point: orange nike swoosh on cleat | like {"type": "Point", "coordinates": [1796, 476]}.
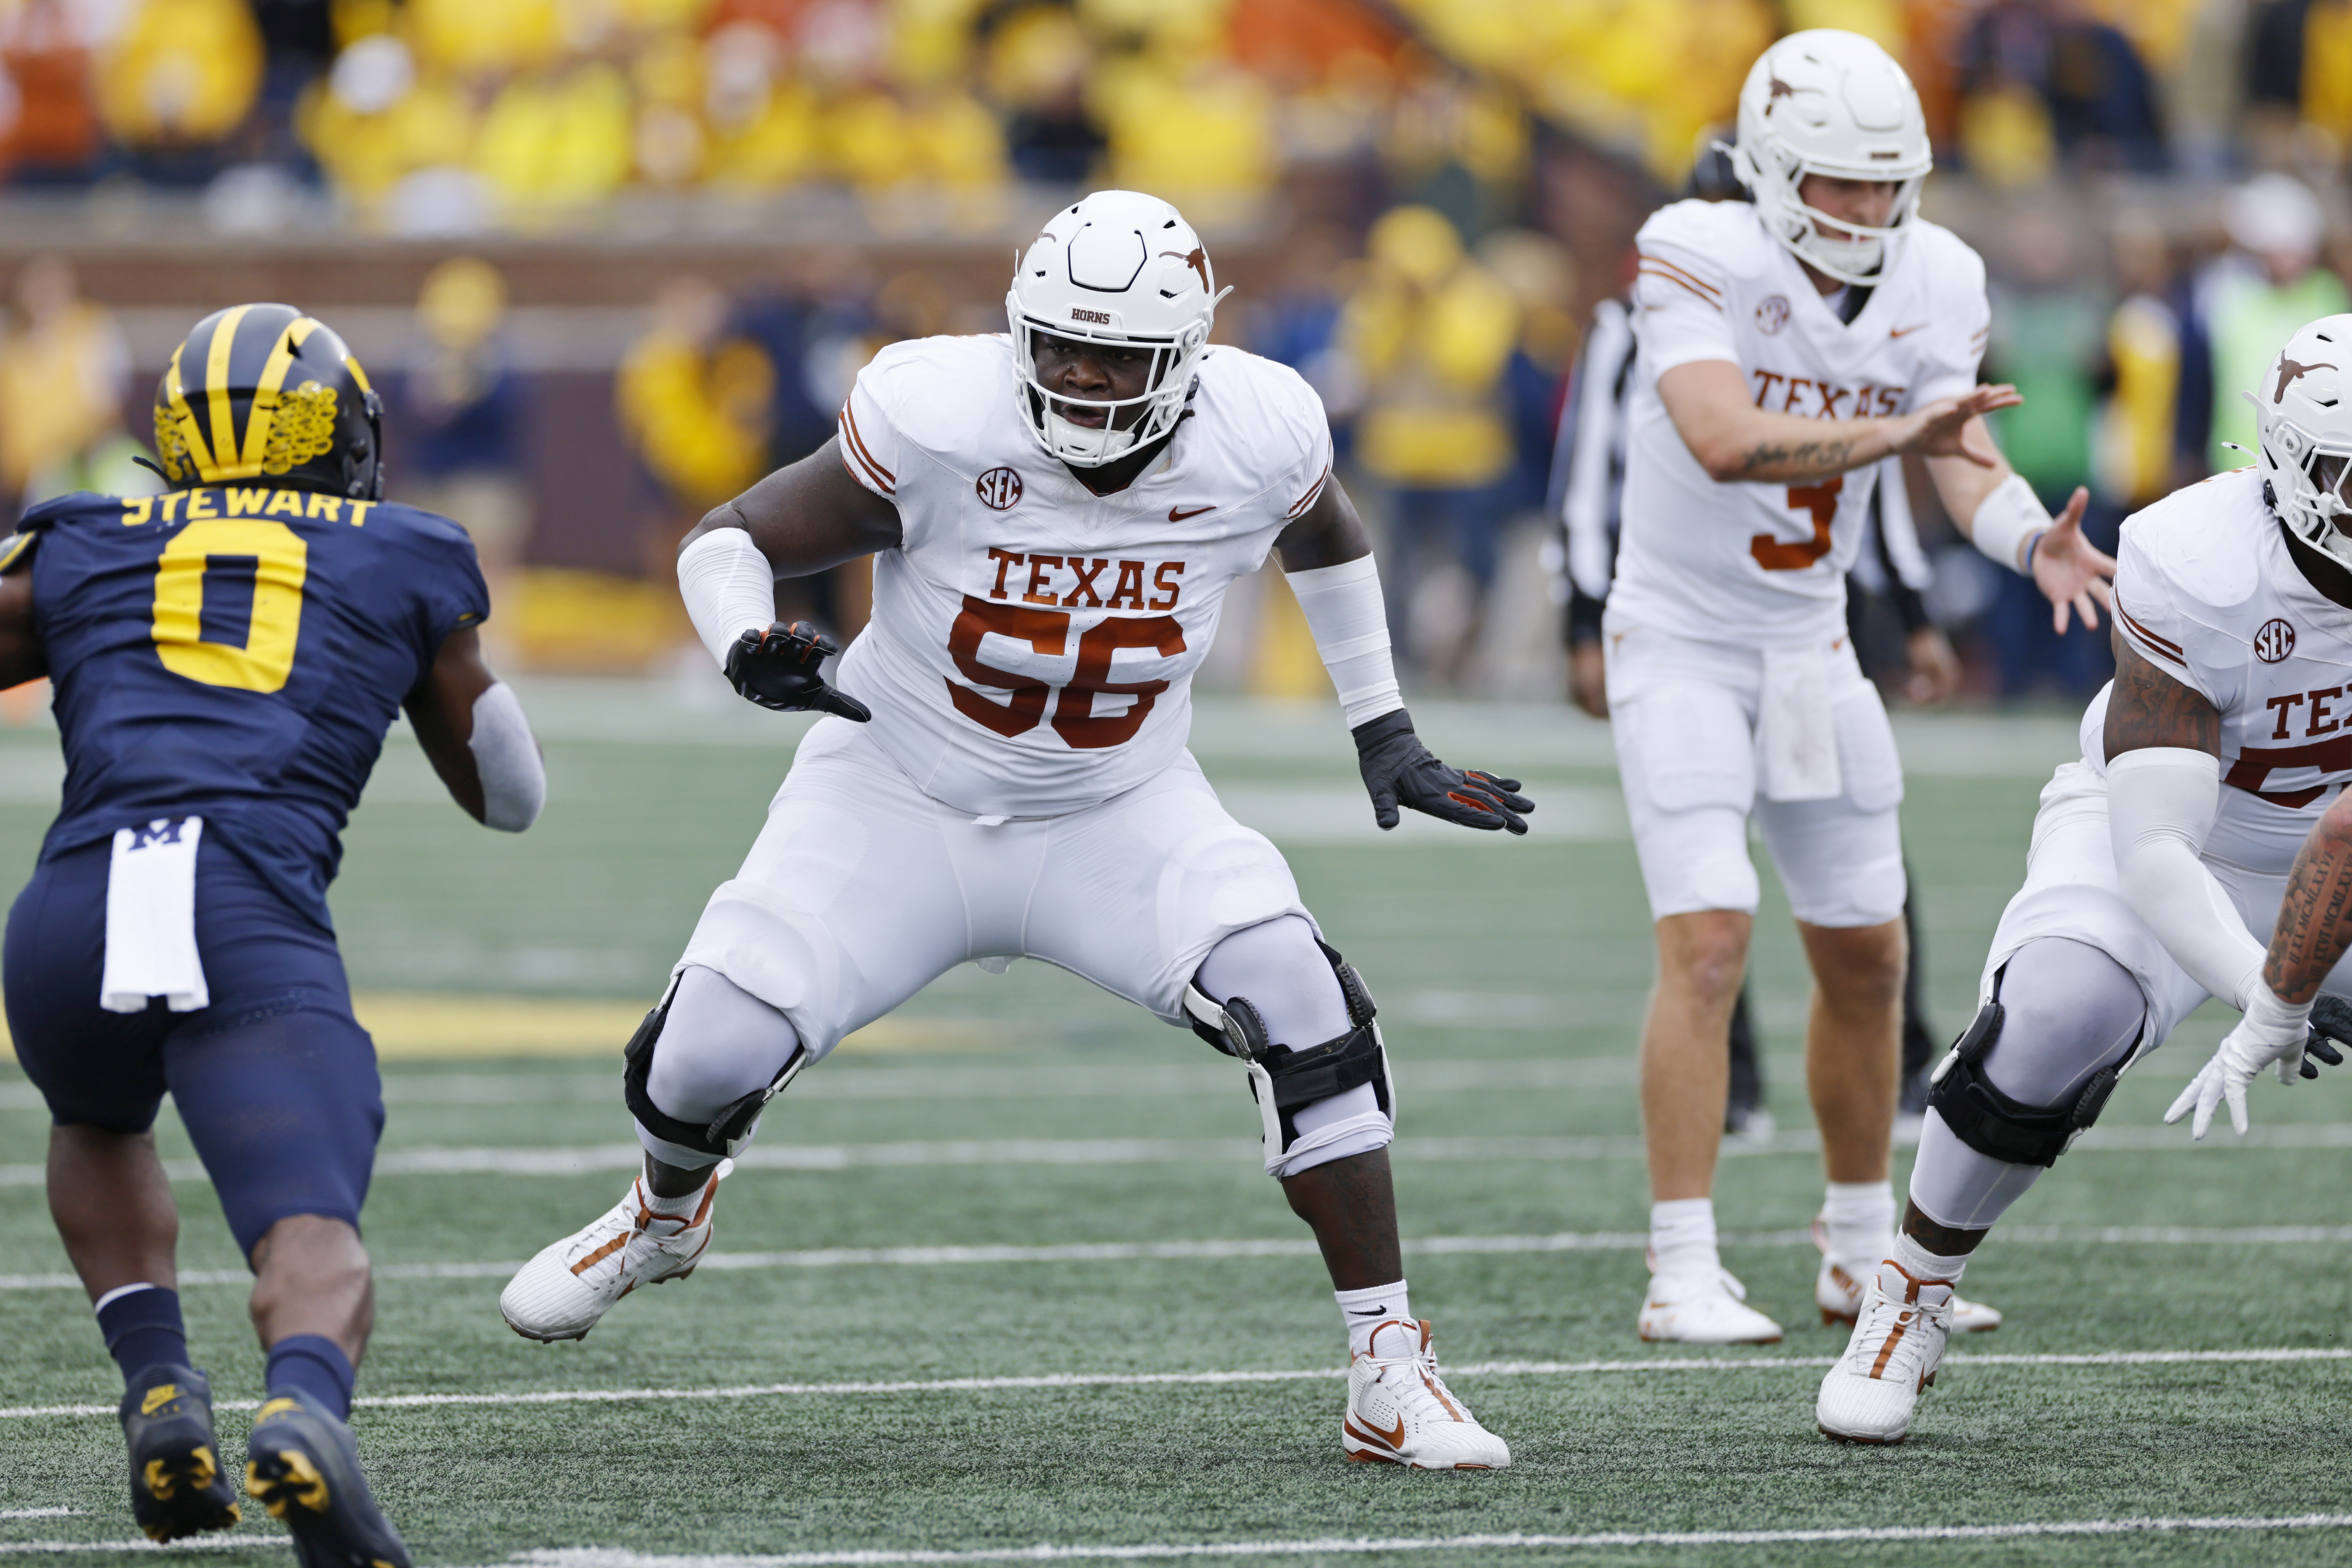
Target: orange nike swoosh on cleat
{"type": "Point", "coordinates": [1367, 1430]}
{"type": "Point", "coordinates": [1905, 331]}
{"type": "Point", "coordinates": [1176, 516]}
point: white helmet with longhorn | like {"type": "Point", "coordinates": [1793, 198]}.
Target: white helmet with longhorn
{"type": "Point", "coordinates": [2304, 412]}
{"type": "Point", "coordinates": [1829, 102]}
{"type": "Point", "coordinates": [1119, 268]}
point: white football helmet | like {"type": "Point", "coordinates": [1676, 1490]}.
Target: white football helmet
{"type": "Point", "coordinates": [1831, 102]}
{"type": "Point", "coordinates": [1119, 268]}
{"type": "Point", "coordinates": [2304, 410]}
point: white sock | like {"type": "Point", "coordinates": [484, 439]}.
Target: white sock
{"type": "Point", "coordinates": [672, 1208]}
{"type": "Point", "coordinates": [1364, 1310]}
{"type": "Point", "coordinates": [1921, 1264]}
{"type": "Point", "coordinates": [1681, 1239]}
{"type": "Point", "coordinates": [1860, 1219]}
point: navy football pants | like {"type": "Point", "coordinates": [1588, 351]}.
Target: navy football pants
{"type": "Point", "coordinates": [276, 1080]}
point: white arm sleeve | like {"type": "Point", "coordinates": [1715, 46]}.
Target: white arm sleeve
{"type": "Point", "coordinates": [507, 760]}
{"type": "Point", "coordinates": [1351, 632]}
{"type": "Point", "coordinates": [728, 585]}
{"type": "Point", "coordinates": [2161, 805]}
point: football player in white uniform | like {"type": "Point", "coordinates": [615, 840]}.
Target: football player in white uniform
{"type": "Point", "coordinates": [1786, 348]}
{"type": "Point", "coordinates": [2158, 864]}
{"type": "Point", "coordinates": [1055, 516]}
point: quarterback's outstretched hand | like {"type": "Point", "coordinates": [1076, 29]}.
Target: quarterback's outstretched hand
{"type": "Point", "coordinates": [2269, 1035]}
{"type": "Point", "coordinates": [2070, 570]}
{"type": "Point", "coordinates": [1400, 770]}
{"type": "Point", "coordinates": [777, 669]}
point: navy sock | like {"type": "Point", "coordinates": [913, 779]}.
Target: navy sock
{"type": "Point", "coordinates": [315, 1365]}
{"type": "Point", "coordinates": [142, 1328]}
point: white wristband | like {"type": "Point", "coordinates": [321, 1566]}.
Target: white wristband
{"type": "Point", "coordinates": [728, 586]}
{"type": "Point", "coordinates": [2008, 522]}
{"type": "Point", "coordinates": [2272, 1018]}
{"type": "Point", "coordinates": [507, 761]}
{"type": "Point", "coordinates": [1350, 625]}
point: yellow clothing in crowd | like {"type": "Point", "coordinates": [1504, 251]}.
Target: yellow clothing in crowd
{"type": "Point", "coordinates": [180, 72]}
{"type": "Point", "coordinates": [1432, 332]}
{"type": "Point", "coordinates": [57, 386]}
{"type": "Point", "coordinates": [697, 417]}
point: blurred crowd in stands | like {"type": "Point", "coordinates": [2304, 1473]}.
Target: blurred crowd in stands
{"type": "Point", "coordinates": [1435, 195]}
{"type": "Point", "coordinates": [439, 114]}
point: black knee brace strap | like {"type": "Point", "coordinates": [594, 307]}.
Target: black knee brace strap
{"type": "Point", "coordinates": [724, 1133]}
{"type": "Point", "coordinates": [1298, 1077]}
{"type": "Point", "coordinates": [1993, 1124]}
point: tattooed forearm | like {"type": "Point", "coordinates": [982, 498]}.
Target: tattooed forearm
{"type": "Point", "coordinates": [2314, 924]}
{"type": "Point", "coordinates": [2150, 708]}
{"type": "Point", "coordinates": [1776, 460]}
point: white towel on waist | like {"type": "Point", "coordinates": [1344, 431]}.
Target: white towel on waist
{"type": "Point", "coordinates": [1795, 725]}
{"type": "Point", "coordinates": [150, 919]}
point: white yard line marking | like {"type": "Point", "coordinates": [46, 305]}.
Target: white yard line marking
{"type": "Point", "coordinates": [584, 1160]}
{"type": "Point", "coordinates": [197, 1544]}
{"type": "Point", "coordinates": [1289, 1247]}
{"type": "Point", "coordinates": [1161, 1379]}
{"type": "Point", "coordinates": [614, 1557]}
{"type": "Point", "coordinates": [38, 1513]}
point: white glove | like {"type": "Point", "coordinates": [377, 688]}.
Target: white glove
{"type": "Point", "coordinates": [2271, 1033]}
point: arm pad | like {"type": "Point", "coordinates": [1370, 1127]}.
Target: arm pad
{"type": "Point", "coordinates": [1351, 632]}
{"type": "Point", "coordinates": [728, 588]}
{"type": "Point", "coordinates": [2161, 805]}
{"type": "Point", "coordinates": [507, 760]}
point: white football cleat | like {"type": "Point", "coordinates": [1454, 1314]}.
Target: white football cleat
{"type": "Point", "coordinates": [1897, 1343]}
{"type": "Point", "coordinates": [1697, 1309]}
{"type": "Point", "coordinates": [1400, 1411]}
{"type": "Point", "coordinates": [1838, 1293]}
{"type": "Point", "coordinates": [560, 1293]}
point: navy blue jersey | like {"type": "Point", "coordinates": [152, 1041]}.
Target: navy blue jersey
{"type": "Point", "coordinates": [237, 652]}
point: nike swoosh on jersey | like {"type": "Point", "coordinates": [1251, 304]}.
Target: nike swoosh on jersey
{"type": "Point", "coordinates": [1906, 332]}
{"type": "Point", "coordinates": [1176, 516]}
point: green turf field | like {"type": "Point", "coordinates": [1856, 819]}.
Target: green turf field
{"type": "Point", "coordinates": [1035, 1197]}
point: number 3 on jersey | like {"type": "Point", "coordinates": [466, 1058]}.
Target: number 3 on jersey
{"type": "Point", "coordinates": [1046, 632]}
{"type": "Point", "coordinates": [1822, 502]}
{"type": "Point", "coordinates": [263, 656]}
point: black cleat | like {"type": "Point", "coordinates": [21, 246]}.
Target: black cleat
{"type": "Point", "coordinates": [304, 1468]}
{"type": "Point", "coordinates": [176, 1486]}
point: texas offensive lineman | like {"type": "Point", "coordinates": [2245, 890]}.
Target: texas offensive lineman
{"type": "Point", "coordinates": [1055, 516]}
{"type": "Point", "coordinates": [1785, 346]}
{"type": "Point", "coordinates": [2157, 865]}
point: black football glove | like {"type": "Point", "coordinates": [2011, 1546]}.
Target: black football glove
{"type": "Point", "coordinates": [777, 669]}
{"type": "Point", "coordinates": [1400, 770]}
{"type": "Point", "coordinates": [2331, 1025]}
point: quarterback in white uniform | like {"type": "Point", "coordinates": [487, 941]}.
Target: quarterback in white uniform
{"type": "Point", "coordinates": [1055, 516]}
{"type": "Point", "coordinates": [1787, 346]}
{"type": "Point", "coordinates": [2158, 864]}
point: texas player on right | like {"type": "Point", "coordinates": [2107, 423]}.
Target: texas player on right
{"type": "Point", "coordinates": [1787, 346]}
{"type": "Point", "coordinates": [2158, 863]}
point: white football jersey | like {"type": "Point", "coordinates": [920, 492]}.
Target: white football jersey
{"type": "Point", "coordinates": [1758, 564]}
{"type": "Point", "coordinates": [1033, 644]}
{"type": "Point", "coordinates": [2206, 592]}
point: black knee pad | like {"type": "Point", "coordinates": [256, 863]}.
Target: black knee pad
{"type": "Point", "coordinates": [1997, 1126]}
{"type": "Point", "coordinates": [1284, 1079]}
{"type": "Point", "coordinates": [725, 1134]}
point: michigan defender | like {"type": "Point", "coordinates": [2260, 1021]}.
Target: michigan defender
{"type": "Point", "coordinates": [2158, 861]}
{"type": "Point", "coordinates": [1055, 516]}
{"type": "Point", "coordinates": [1785, 349]}
{"type": "Point", "coordinates": [228, 656]}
